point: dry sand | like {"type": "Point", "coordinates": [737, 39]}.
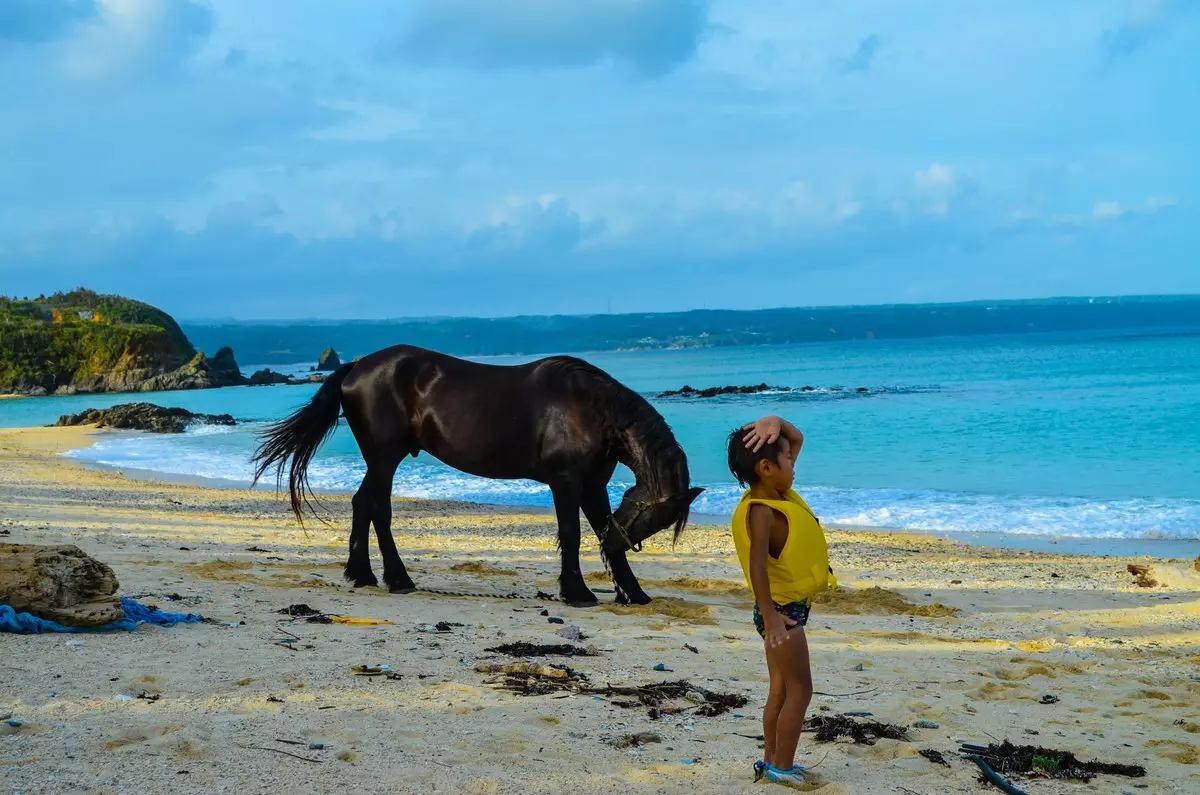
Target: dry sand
{"type": "Point", "coordinates": [1123, 661]}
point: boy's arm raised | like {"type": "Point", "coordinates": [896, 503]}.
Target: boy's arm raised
{"type": "Point", "coordinates": [770, 428]}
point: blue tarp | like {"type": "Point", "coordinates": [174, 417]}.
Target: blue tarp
{"type": "Point", "coordinates": [135, 613]}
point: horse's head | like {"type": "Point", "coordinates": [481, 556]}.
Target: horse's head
{"type": "Point", "coordinates": [641, 514]}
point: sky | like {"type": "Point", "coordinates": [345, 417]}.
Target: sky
{"type": "Point", "coordinates": [262, 159]}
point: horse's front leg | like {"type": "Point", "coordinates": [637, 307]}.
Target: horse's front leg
{"type": "Point", "coordinates": [598, 513]}
{"type": "Point", "coordinates": [395, 576]}
{"type": "Point", "coordinates": [572, 588]}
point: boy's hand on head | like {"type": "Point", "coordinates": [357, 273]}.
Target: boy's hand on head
{"type": "Point", "coordinates": [764, 431]}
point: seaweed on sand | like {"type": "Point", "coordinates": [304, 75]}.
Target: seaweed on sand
{"type": "Point", "coordinates": [864, 732]}
{"type": "Point", "coordinates": [1007, 758]}
{"type": "Point", "coordinates": [523, 649]}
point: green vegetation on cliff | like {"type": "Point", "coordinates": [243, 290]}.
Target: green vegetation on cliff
{"type": "Point", "coordinates": [85, 340]}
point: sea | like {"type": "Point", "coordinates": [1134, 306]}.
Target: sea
{"type": "Point", "coordinates": [1090, 440]}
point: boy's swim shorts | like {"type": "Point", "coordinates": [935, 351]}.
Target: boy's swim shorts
{"type": "Point", "coordinates": [793, 611]}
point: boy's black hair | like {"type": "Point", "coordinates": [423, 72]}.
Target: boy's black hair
{"type": "Point", "coordinates": [743, 461]}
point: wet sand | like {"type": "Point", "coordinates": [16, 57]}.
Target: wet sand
{"type": "Point", "coordinates": [976, 639]}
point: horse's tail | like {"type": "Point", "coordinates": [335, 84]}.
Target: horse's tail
{"type": "Point", "coordinates": [299, 437]}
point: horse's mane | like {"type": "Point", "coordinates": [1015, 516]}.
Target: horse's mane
{"type": "Point", "coordinates": [625, 415]}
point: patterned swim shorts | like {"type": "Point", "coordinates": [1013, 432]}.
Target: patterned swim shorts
{"type": "Point", "coordinates": [794, 611]}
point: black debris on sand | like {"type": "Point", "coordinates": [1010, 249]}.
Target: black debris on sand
{"type": "Point", "coordinates": [934, 756]}
{"type": "Point", "coordinates": [1007, 758]}
{"type": "Point", "coordinates": [523, 649]}
{"type": "Point", "coordinates": [864, 732]}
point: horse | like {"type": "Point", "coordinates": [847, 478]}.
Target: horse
{"type": "Point", "coordinates": [559, 420]}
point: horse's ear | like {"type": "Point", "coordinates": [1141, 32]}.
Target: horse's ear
{"type": "Point", "coordinates": [693, 493]}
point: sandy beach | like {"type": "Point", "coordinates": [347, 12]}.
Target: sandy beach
{"type": "Point", "coordinates": [970, 639]}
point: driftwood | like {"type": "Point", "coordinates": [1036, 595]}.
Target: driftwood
{"type": "Point", "coordinates": [59, 583]}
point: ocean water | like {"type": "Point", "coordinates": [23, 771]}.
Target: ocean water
{"type": "Point", "coordinates": [1087, 436]}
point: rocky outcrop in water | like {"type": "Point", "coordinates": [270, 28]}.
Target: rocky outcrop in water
{"type": "Point", "coordinates": [268, 377]}
{"type": "Point", "coordinates": [143, 417]}
{"type": "Point", "coordinates": [714, 391]}
{"type": "Point", "coordinates": [328, 361]}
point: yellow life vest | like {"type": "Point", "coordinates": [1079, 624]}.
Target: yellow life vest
{"type": "Point", "coordinates": [802, 569]}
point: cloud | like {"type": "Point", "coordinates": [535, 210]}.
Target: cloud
{"type": "Point", "coordinates": [36, 21]}
{"type": "Point", "coordinates": [936, 185]}
{"type": "Point", "coordinates": [647, 37]}
{"type": "Point", "coordinates": [862, 57]}
{"type": "Point", "coordinates": [1146, 20]}
{"type": "Point", "coordinates": [128, 38]}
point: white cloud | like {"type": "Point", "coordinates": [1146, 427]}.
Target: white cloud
{"type": "Point", "coordinates": [128, 38]}
{"type": "Point", "coordinates": [1107, 210]}
{"type": "Point", "coordinates": [937, 185]}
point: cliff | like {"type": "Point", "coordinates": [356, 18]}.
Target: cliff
{"type": "Point", "coordinates": [83, 341]}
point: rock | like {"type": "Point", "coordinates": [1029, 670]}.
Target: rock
{"type": "Point", "coordinates": [58, 583]}
{"type": "Point", "coordinates": [199, 373]}
{"type": "Point", "coordinates": [926, 724]}
{"type": "Point", "coordinates": [328, 361]}
{"type": "Point", "coordinates": [268, 377]}
{"type": "Point", "coordinates": [143, 417]}
{"type": "Point", "coordinates": [692, 392]}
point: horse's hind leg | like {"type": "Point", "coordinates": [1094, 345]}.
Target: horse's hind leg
{"type": "Point", "coordinates": [598, 512]}
{"type": "Point", "coordinates": [572, 588]}
{"type": "Point", "coordinates": [380, 483]}
{"type": "Point", "coordinates": [358, 564]}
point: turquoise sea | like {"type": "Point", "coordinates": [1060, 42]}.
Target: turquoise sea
{"type": "Point", "coordinates": [1088, 436]}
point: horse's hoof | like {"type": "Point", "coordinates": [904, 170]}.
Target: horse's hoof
{"type": "Point", "coordinates": [363, 582]}
{"type": "Point", "coordinates": [583, 603]}
{"type": "Point", "coordinates": [635, 599]}
{"type": "Point", "coordinates": [402, 589]}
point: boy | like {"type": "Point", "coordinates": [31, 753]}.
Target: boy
{"type": "Point", "coordinates": [782, 550]}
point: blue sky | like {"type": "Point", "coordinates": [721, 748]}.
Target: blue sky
{"type": "Point", "coordinates": [270, 159]}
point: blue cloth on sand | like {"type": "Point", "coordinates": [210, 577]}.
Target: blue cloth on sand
{"type": "Point", "coordinates": [135, 613]}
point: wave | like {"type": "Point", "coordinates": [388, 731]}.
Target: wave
{"type": "Point", "coordinates": [221, 453]}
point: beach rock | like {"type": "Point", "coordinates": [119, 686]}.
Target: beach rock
{"type": "Point", "coordinates": [268, 377]}
{"type": "Point", "coordinates": [143, 417]}
{"type": "Point", "coordinates": [58, 583]}
{"type": "Point", "coordinates": [328, 361]}
{"type": "Point", "coordinates": [714, 391]}
{"type": "Point", "coordinates": [201, 372]}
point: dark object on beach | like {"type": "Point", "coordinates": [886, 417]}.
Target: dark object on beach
{"type": "Point", "coordinates": [523, 649]}
{"type": "Point", "coordinates": [654, 695]}
{"type": "Point", "coordinates": [934, 756]}
{"type": "Point", "coordinates": [256, 549]}
{"type": "Point", "coordinates": [558, 421]}
{"type": "Point", "coordinates": [691, 648]}
{"type": "Point", "coordinates": [530, 679]}
{"type": "Point", "coordinates": [716, 391]}
{"type": "Point", "coordinates": [1144, 580]}
{"type": "Point", "coordinates": [989, 776]}
{"type": "Point", "coordinates": [144, 696]}
{"type": "Point", "coordinates": [143, 417]}
{"type": "Point", "coordinates": [635, 740]}
{"type": "Point", "coordinates": [59, 583]}
{"type": "Point", "coordinates": [1007, 759]}
{"type": "Point", "coordinates": [300, 610]}
{"type": "Point", "coordinates": [554, 620]}
{"type": "Point", "coordinates": [864, 732]}
{"type": "Point", "coordinates": [328, 361]}
{"type": "Point", "coordinates": [1049, 699]}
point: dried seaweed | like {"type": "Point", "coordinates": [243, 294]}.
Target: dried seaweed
{"type": "Point", "coordinates": [523, 649]}
{"type": "Point", "coordinates": [864, 732]}
{"type": "Point", "coordinates": [934, 756]}
{"type": "Point", "coordinates": [1007, 758]}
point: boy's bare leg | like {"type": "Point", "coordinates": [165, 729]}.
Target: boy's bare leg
{"type": "Point", "coordinates": [774, 703]}
{"type": "Point", "coordinates": [791, 660]}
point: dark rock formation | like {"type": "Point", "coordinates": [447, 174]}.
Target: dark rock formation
{"type": "Point", "coordinates": [268, 377]}
{"type": "Point", "coordinates": [714, 391]}
{"type": "Point", "coordinates": [143, 417]}
{"type": "Point", "coordinates": [328, 361]}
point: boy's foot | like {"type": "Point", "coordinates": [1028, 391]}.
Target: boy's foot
{"type": "Point", "coordinates": [789, 778]}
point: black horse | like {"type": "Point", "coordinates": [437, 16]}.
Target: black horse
{"type": "Point", "coordinates": [560, 421]}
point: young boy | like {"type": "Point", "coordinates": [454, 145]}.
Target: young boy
{"type": "Point", "coordinates": [783, 555]}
